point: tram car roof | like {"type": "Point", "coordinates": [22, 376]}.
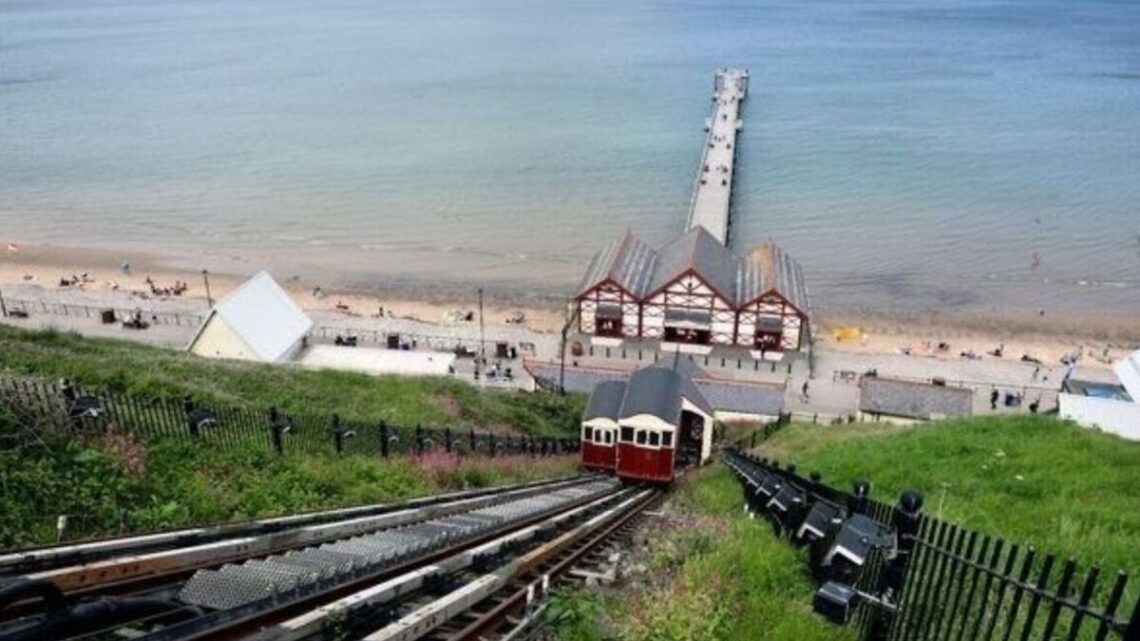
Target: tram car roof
{"type": "Point", "coordinates": [660, 392]}
{"type": "Point", "coordinates": [605, 401]}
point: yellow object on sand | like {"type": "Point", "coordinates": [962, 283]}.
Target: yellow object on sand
{"type": "Point", "coordinates": [848, 333]}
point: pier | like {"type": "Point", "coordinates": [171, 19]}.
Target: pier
{"type": "Point", "coordinates": [712, 193]}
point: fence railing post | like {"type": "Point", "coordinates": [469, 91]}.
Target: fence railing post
{"type": "Point", "coordinates": [860, 488]}
{"type": "Point", "coordinates": [338, 435]}
{"type": "Point", "coordinates": [471, 434]}
{"type": "Point", "coordinates": [419, 439]}
{"type": "Point", "coordinates": [276, 431]}
{"type": "Point", "coordinates": [905, 520]}
{"type": "Point", "coordinates": [491, 445]}
{"type": "Point", "coordinates": [447, 439]}
{"type": "Point", "coordinates": [191, 420]}
{"type": "Point", "coordinates": [384, 439]}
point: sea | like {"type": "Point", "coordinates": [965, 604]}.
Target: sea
{"type": "Point", "coordinates": [911, 154]}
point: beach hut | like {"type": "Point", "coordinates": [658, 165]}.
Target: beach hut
{"type": "Point", "coordinates": [258, 321]}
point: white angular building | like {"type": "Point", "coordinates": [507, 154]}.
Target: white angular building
{"type": "Point", "coordinates": [256, 322]}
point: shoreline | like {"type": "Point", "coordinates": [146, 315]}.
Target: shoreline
{"type": "Point", "coordinates": [885, 332]}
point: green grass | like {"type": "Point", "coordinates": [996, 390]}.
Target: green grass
{"type": "Point", "coordinates": [114, 484]}
{"type": "Point", "coordinates": [137, 369]}
{"type": "Point", "coordinates": [726, 578]}
{"type": "Point", "coordinates": [1030, 479]}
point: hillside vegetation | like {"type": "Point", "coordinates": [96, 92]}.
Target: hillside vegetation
{"type": "Point", "coordinates": [148, 371]}
{"type": "Point", "coordinates": [112, 483]}
{"type": "Point", "coordinates": [1031, 479]}
{"type": "Point", "coordinates": [708, 573]}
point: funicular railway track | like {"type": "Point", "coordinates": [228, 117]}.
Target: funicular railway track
{"type": "Point", "coordinates": [400, 572]}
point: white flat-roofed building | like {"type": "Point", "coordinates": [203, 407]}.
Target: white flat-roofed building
{"type": "Point", "coordinates": [1113, 408]}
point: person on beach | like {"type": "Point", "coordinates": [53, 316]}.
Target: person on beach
{"type": "Point", "coordinates": [994, 396]}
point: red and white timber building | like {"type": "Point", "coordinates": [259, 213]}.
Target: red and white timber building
{"type": "Point", "coordinates": [695, 293]}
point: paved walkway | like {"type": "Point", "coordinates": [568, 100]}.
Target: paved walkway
{"type": "Point", "coordinates": [712, 193]}
{"type": "Point", "coordinates": [833, 389]}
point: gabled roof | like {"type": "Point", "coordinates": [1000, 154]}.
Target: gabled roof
{"type": "Point", "coordinates": [605, 401]}
{"type": "Point", "coordinates": [639, 270]}
{"type": "Point", "coordinates": [700, 251]}
{"type": "Point", "coordinates": [769, 268]}
{"type": "Point", "coordinates": [1128, 371]}
{"type": "Point", "coordinates": [628, 262]}
{"type": "Point", "coordinates": [263, 316]}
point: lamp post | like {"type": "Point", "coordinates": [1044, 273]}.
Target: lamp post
{"type": "Point", "coordinates": [206, 279]}
{"type": "Point", "coordinates": [482, 344]}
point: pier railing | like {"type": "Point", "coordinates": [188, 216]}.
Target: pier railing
{"type": "Point", "coordinates": [900, 575]}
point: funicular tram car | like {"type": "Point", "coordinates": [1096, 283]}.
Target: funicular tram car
{"type": "Point", "coordinates": [664, 425]}
{"type": "Point", "coordinates": [600, 428]}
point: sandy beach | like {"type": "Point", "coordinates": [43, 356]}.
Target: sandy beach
{"type": "Point", "coordinates": [43, 267]}
{"type": "Point", "coordinates": [1098, 338]}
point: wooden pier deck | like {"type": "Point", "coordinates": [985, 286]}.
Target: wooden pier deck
{"type": "Point", "coordinates": [712, 193]}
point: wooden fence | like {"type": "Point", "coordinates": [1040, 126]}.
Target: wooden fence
{"type": "Point", "coordinates": [899, 575]}
{"type": "Point", "coordinates": [65, 410]}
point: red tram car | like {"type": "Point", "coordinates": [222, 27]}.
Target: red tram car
{"type": "Point", "coordinates": [648, 428]}
{"type": "Point", "coordinates": [599, 427]}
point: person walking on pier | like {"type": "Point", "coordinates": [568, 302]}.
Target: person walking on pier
{"type": "Point", "coordinates": [804, 391]}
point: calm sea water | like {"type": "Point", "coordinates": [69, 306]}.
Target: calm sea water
{"type": "Point", "coordinates": [911, 153]}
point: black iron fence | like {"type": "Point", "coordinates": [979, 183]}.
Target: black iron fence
{"type": "Point", "coordinates": [65, 410]}
{"type": "Point", "coordinates": [900, 575]}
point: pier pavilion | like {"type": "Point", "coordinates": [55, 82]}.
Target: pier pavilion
{"type": "Point", "coordinates": [696, 293]}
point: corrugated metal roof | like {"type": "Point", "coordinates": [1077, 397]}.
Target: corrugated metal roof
{"type": "Point", "coordinates": [768, 267]}
{"type": "Point", "coordinates": [913, 400]}
{"type": "Point", "coordinates": [263, 316]}
{"type": "Point", "coordinates": [605, 400]}
{"type": "Point", "coordinates": [640, 270]}
{"type": "Point", "coordinates": [699, 251]}
{"type": "Point", "coordinates": [733, 397]}
{"type": "Point", "coordinates": [629, 262]}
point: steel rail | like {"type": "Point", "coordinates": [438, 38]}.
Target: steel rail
{"type": "Point", "coordinates": [300, 617]}
{"type": "Point", "coordinates": [431, 616]}
{"type": "Point", "coordinates": [492, 619]}
{"type": "Point", "coordinates": [133, 574]}
{"type": "Point", "coordinates": [27, 560]}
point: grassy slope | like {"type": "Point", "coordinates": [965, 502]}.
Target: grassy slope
{"type": "Point", "coordinates": [1033, 480]}
{"type": "Point", "coordinates": [113, 484]}
{"type": "Point", "coordinates": [129, 367]}
{"type": "Point", "coordinates": [716, 575]}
